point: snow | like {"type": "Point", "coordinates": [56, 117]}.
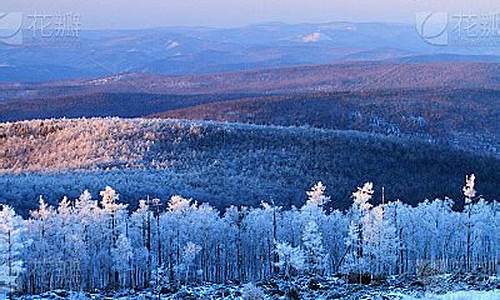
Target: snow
{"type": "Point", "coordinates": [252, 291]}
{"type": "Point", "coordinates": [172, 44]}
{"type": "Point", "coordinates": [459, 295]}
{"type": "Point", "coordinates": [312, 37]}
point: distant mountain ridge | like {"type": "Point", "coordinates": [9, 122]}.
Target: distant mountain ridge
{"type": "Point", "coordinates": [359, 76]}
{"type": "Point", "coordinates": [200, 50]}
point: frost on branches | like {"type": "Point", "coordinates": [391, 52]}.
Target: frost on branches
{"type": "Point", "coordinates": [86, 244]}
{"type": "Point", "coordinates": [11, 246]}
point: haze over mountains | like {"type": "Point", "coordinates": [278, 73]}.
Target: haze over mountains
{"type": "Point", "coordinates": [200, 50]}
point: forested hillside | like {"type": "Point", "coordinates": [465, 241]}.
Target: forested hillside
{"type": "Point", "coordinates": [102, 105]}
{"type": "Point", "coordinates": [453, 103]}
{"type": "Point", "coordinates": [467, 119]}
{"type": "Point", "coordinates": [354, 76]}
{"type": "Point", "coordinates": [223, 164]}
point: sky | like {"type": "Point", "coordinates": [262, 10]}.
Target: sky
{"type": "Point", "coordinates": [125, 14]}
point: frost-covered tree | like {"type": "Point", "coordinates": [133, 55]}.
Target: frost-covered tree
{"type": "Point", "coordinates": [470, 194]}
{"type": "Point", "coordinates": [189, 253]}
{"type": "Point", "coordinates": [180, 205]}
{"type": "Point", "coordinates": [290, 259]}
{"type": "Point", "coordinates": [316, 199]}
{"type": "Point", "coordinates": [140, 232]}
{"type": "Point", "coordinates": [362, 196]}
{"type": "Point", "coordinates": [121, 256]}
{"type": "Point", "coordinates": [84, 244]}
{"type": "Point", "coordinates": [380, 242]}
{"type": "Point", "coordinates": [42, 262]}
{"type": "Point", "coordinates": [12, 243]}
{"type": "Point", "coordinates": [399, 215]}
{"type": "Point", "coordinates": [316, 256]}
{"type": "Point", "coordinates": [115, 215]}
{"type": "Point", "coordinates": [316, 196]}
{"type": "Point", "coordinates": [355, 260]}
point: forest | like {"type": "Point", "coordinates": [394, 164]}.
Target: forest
{"type": "Point", "coordinates": [223, 164]}
{"type": "Point", "coordinates": [95, 243]}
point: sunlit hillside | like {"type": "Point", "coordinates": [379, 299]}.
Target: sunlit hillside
{"type": "Point", "coordinates": [223, 163]}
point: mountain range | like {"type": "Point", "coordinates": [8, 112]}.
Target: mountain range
{"type": "Point", "coordinates": [202, 50]}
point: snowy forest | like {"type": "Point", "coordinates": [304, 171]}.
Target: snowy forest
{"type": "Point", "coordinates": [95, 243]}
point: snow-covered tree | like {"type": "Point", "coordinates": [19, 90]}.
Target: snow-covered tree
{"type": "Point", "coordinates": [380, 242]}
{"type": "Point", "coordinates": [121, 256]}
{"type": "Point", "coordinates": [178, 204]}
{"type": "Point", "coordinates": [470, 194]}
{"type": "Point", "coordinates": [355, 260]}
{"type": "Point", "coordinates": [115, 215]}
{"type": "Point", "coordinates": [290, 259]}
{"type": "Point", "coordinates": [316, 256]}
{"type": "Point", "coordinates": [189, 253]}
{"type": "Point", "coordinates": [12, 243]}
{"type": "Point", "coordinates": [362, 196]}
{"type": "Point", "coordinates": [86, 245]}
{"type": "Point", "coordinates": [469, 188]}
{"type": "Point", "coordinates": [316, 196]}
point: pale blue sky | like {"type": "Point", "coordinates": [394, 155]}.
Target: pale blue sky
{"type": "Point", "coordinates": [228, 13]}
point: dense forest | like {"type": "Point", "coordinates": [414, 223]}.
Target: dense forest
{"type": "Point", "coordinates": [95, 243]}
{"type": "Point", "coordinates": [223, 164]}
{"type": "Point", "coordinates": [461, 118]}
{"type": "Point", "coordinates": [466, 119]}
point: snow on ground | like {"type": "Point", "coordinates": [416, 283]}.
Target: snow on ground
{"type": "Point", "coordinates": [460, 295]}
{"type": "Point", "coordinates": [440, 287]}
{"type": "Point", "coordinates": [219, 294]}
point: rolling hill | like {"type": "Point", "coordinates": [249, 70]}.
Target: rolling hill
{"type": "Point", "coordinates": [224, 164]}
{"type": "Point", "coordinates": [467, 118]}
{"type": "Point", "coordinates": [360, 76]}
{"type": "Point", "coordinates": [452, 103]}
